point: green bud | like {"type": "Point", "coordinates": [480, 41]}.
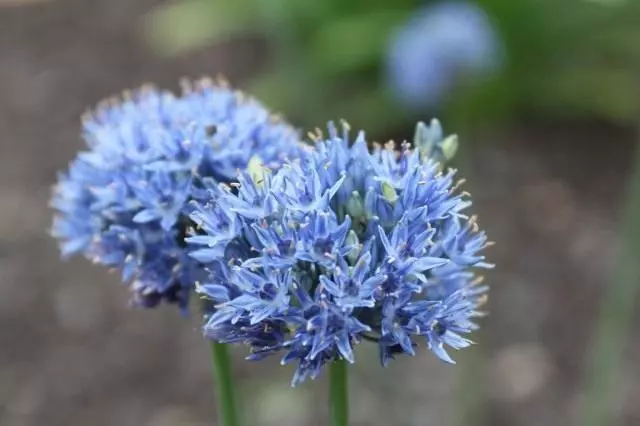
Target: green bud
{"type": "Point", "coordinates": [352, 240]}
{"type": "Point", "coordinates": [256, 170]}
{"type": "Point", "coordinates": [355, 206]}
{"type": "Point", "coordinates": [449, 147]}
{"type": "Point", "coordinates": [426, 137]}
{"type": "Point", "coordinates": [421, 140]}
{"type": "Point", "coordinates": [435, 128]}
{"type": "Point", "coordinates": [430, 143]}
{"type": "Point", "coordinates": [388, 192]}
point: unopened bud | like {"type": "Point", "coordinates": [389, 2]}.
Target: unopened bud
{"type": "Point", "coordinates": [353, 241]}
{"type": "Point", "coordinates": [449, 147]}
{"type": "Point", "coordinates": [355, 205]}
{"type": "Point", "coordinates": [256, 170]}
{"type": "Point", "coordinates": [388, 192]}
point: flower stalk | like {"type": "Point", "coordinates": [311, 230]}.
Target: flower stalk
{"type": "Point", "coordinates": [616, 313]}
{"type": "Point", "coordinates": [227, 412]}
{"type": "Point", "coordinates": [339, 398]}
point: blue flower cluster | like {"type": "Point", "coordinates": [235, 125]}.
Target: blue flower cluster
{"type": "Point", "coordinates": [435, 46]}
{"type": "Point", "coordinates": [124, 202]}
{"type": "Point", "coordinates": [341, 245]}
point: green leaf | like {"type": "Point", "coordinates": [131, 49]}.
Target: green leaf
{"type": "Point", "coordinates": [596, 91]}
{"type": "Point", "coordinates": [310, 100]}
{"type": "Point", "coordinates": [283, 89]}
{"type": "Point", "coordinates": [370, 109]}
{"type": "Point", "coordinates": [173, 28]}
{"type": "Point", "coordinates": [350, 43]}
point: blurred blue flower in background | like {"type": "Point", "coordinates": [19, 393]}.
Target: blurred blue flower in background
{"type": "Point", "coordinates": [338, 246]}
{"type": "Point", "coordinates": [124, 202]}
{"type": "Point", "coordinates": [438, 45]}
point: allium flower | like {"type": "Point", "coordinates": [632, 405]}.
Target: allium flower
{"type": "Point", "coordinates": [340, 246]}
{"type": "Point", "coordinates": [124, 201]}
{"type": "Point", "coordinates": [437, 44]}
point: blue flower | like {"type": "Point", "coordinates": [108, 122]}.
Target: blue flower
{"type": "Point", "coordinates": [435, 46]}
{"type": "Point", "coordinates": [162, 196]}
{"type": "Point", "coordinates": [301, 266]}
{"type": "Point", "coordinates": [124, 201]}
{"type": "Point", "coordinates": [75, 225]}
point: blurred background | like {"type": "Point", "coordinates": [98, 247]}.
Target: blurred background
{"type": "Point", "coordinates": [545, 97]}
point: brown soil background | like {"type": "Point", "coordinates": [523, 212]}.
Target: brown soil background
{"type": "Point", "coordinates": [72, 353]}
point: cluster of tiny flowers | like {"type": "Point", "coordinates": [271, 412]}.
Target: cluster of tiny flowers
{"type": "Point", "coordinates": [124, 202]}
{"type": "Point", "coordinates": [341, 245]}
{"type": "Point", "coordinates": [436, 45]}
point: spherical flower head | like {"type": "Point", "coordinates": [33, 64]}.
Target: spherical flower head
{"type": "Point", "coordinates": [339, 246]}
{"type": "Point", "coordinates": [438, 43]}
{"type": "Point", "coordinates": [124, 202]}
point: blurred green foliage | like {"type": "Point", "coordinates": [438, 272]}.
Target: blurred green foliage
{"type": "Point", "coordinates": [571, 58]}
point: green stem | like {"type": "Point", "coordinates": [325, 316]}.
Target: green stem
{"type": "Point", "coordinates": [339, 393]}
{"type": "Point", "coordinates": [616, 312]}
{"type": "Point", "coordinates": [471, 400]}
{"type": "Point", "coordinates": [227, 413]}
